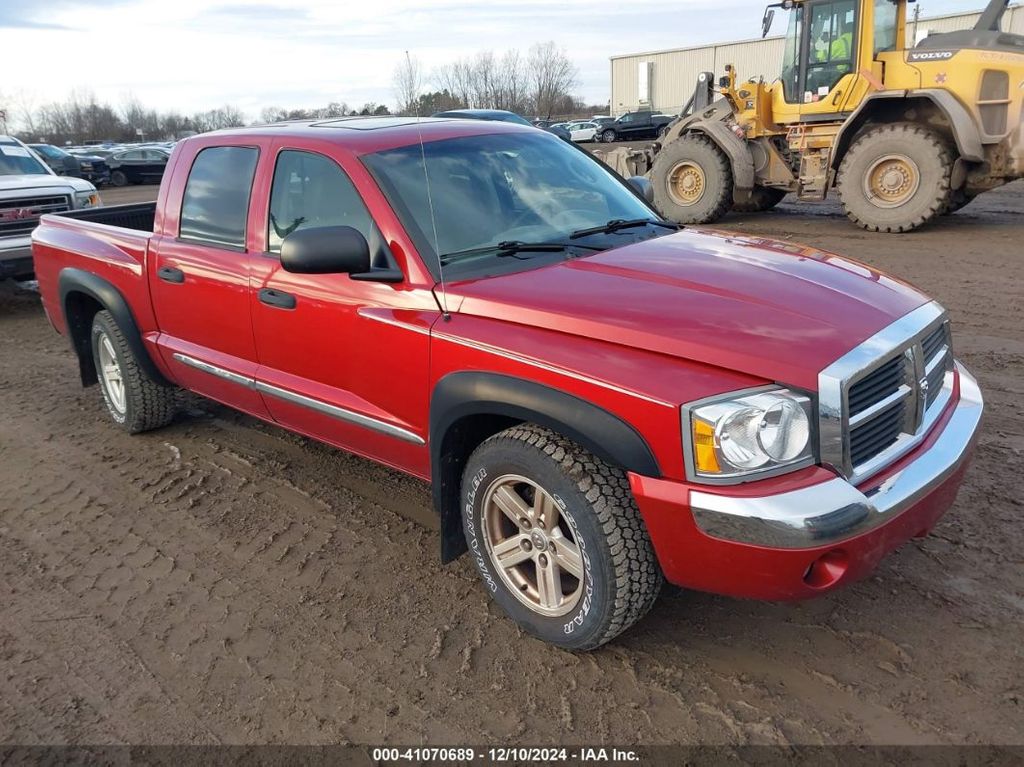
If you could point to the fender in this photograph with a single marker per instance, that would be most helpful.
(965, 128)
(462, 395)
(739, 156)
(72, 281)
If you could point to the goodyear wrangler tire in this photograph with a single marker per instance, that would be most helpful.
(692, 180)
(895, 178)
(557, 538)
(134, 401)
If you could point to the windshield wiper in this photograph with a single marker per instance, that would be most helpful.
(512, 248)
(618, 223)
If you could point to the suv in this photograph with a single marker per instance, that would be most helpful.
(28, 189)
(91, 167)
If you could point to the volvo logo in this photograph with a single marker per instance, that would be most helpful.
(930, 55)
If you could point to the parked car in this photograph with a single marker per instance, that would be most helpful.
(88, 166)
(500, 115)
(28, 189)
(599, 399)
(582, 131)
(137, 166)
(636, 125)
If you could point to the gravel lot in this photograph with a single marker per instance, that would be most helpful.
(223, 581)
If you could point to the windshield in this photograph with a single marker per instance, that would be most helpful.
(506, 187)
(50, 151)
(16, 160)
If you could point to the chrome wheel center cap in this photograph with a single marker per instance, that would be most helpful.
(539, 540)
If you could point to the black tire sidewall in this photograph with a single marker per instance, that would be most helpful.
(608, 136)
(118, 178)
(102, 326)
(590, 616)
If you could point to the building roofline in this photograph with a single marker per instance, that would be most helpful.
(745, 41)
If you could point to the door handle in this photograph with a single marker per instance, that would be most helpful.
(835, 99)
(170, 274)
(277, 298)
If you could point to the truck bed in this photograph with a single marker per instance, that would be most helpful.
(138, 215)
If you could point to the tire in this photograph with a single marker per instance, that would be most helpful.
(118, 178)
(593, 509)
(608, 136)
(958, 200)
(761, 199)
(919, 163)
(139, 403)
(692, 180)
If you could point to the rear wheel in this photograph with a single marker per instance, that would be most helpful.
(762, 198)
(958, 200)
(133, 400)
(557, 538)
(895, 178)
(118, 178)
(692, 180)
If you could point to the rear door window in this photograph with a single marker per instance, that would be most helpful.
(216, 202)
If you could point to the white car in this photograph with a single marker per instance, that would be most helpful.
(29, 189)
(582, 131)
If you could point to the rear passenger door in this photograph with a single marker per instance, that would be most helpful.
(339, 360)
(199, 276)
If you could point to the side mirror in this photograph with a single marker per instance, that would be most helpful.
(325, 250)
(642, 186)
(766, 23)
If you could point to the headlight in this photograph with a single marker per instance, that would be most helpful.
(87, 199)
(748, 435)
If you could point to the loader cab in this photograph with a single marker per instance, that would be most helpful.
(829, 57)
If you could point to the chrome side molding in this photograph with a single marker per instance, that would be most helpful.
(340, 413)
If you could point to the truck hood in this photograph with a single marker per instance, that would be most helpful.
(761, 307)
(35, 181)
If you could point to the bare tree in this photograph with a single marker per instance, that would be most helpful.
(552, 76)
(408, 81)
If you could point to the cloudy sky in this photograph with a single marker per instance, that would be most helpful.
(191, 55)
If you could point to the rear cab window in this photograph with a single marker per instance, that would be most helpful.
(215, 206)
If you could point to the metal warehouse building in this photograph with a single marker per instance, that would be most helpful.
(664, 80)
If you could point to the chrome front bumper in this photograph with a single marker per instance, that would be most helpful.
(836, 510)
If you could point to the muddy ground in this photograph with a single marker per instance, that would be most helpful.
(222, 581)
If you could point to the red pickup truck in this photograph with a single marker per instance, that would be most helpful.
(599, 399)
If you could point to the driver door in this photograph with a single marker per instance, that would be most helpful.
(830, 71)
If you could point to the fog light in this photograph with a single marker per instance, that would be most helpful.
(826, 570)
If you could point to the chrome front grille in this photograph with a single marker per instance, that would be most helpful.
(20, 216)
(881, 399)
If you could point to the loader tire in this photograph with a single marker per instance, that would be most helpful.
(692, 180)
(895, 178)
(762, 198)
(958, 200)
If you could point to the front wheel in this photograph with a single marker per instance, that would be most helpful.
(692, 180)
(895, 178)
(608, 136)
(134, 401)
(557, 538)
(118, 178)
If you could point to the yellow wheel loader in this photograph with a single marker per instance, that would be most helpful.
(903, 134)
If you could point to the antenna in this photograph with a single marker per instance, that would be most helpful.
(430, 200)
